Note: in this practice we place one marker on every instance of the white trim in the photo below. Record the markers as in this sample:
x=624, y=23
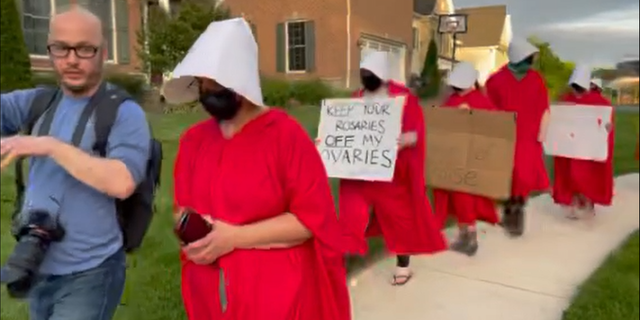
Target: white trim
x=114, y=32
x=286, y=46
x=52, y=11
x=477, y=48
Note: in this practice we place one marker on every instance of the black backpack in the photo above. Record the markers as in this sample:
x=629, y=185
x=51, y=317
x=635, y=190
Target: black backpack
x=134, y=213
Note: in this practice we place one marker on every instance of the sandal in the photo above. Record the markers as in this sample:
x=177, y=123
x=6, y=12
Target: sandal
x=401, y=279
x=571, y=213
x=402, y=276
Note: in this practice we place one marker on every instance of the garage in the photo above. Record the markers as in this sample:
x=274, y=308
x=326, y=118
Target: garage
x=398, y=53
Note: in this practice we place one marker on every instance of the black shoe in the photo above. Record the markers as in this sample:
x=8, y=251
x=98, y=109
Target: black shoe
x=507, y=221
x=519, y=219
x=467, y=243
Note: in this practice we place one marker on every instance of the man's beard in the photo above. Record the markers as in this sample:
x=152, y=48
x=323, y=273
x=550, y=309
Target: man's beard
x=90, y=82
x=79, y=89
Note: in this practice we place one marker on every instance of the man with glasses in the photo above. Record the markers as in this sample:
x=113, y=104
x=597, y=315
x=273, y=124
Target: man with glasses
x=82, y=275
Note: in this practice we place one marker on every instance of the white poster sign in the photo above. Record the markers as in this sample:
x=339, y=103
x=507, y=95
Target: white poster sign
x=578, y=132
x=359, y=137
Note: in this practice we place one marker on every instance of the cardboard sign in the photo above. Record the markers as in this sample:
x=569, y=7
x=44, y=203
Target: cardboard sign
x=359, y=137
x=470, y=150
x=578, y=132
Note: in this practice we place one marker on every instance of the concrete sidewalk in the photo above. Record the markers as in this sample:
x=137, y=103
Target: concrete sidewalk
x=531, y=278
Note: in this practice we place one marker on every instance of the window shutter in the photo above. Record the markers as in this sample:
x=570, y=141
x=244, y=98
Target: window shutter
x=310, y=45
x=122, y=31
x=281, y=46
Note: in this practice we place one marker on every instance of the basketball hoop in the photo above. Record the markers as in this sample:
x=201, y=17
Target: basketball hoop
x=452, y=24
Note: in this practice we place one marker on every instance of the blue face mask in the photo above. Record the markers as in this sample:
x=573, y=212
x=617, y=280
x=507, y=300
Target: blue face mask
x=522, y=66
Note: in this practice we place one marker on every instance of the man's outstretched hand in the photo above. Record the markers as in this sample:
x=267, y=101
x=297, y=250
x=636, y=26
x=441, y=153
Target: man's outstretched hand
x=14, y=147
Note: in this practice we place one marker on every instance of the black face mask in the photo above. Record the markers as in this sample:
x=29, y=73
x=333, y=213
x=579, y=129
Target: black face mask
x=371, y=82
x=578, y=88
x=222, y=105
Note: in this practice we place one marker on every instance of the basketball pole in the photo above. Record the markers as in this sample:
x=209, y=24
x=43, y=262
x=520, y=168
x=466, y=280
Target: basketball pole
x=453, y=50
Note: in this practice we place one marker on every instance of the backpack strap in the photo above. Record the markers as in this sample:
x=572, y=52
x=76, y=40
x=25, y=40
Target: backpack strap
x=86, y=114
x=106, y=114
x=47, y=99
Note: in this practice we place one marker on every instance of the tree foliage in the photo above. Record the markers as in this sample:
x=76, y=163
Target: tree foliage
x=14, y=57
x=556, y=72
x=430, y=72
x=169, y=37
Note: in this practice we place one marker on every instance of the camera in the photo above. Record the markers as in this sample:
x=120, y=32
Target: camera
x=34, y=232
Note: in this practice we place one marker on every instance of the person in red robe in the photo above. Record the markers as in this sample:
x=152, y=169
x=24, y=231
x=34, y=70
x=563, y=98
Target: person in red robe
x=401, y=209
x=467, y=208
x=581, y=184
x=518, y=88
x=276, y=250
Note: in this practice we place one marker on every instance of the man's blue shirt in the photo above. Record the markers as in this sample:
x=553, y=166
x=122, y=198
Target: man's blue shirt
x=87, y=215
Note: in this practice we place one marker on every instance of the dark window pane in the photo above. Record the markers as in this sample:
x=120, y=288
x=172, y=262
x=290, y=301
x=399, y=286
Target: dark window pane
x=35, y=24
x=295, y=33
x=296, y=46
x=103, y=9
x=297, y=61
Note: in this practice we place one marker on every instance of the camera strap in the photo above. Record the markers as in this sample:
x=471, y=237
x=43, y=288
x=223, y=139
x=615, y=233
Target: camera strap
x=45, y=105
x=47, y=99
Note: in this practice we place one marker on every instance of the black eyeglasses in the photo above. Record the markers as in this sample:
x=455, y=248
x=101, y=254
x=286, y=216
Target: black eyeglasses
x=82, y=51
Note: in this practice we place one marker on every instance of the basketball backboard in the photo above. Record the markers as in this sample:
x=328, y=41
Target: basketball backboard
x=452, y=23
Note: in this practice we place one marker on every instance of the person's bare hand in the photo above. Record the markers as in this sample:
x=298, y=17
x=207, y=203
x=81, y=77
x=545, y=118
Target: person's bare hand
x=219, y=242
x=464, y=106
x=407, y=139
x=14, y=147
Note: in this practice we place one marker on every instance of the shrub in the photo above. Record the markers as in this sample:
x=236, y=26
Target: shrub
x=169, y=37
x=282, y=93
x=135, y=85
x=275, y=92
x=311, y=92
x=14, y=58
x=430, y=75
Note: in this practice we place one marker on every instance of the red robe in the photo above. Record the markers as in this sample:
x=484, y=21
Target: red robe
x=269, y=168
x=527, y=97
x=402, y=212
x=466, y=207
x=593, y=180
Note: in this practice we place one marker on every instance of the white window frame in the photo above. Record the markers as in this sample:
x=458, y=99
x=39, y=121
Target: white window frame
x=286, y=40
x=52, y=4
x=114, y=34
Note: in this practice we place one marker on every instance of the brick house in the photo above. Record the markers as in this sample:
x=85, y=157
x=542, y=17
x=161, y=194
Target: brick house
x=122, y=19
x=305, y=39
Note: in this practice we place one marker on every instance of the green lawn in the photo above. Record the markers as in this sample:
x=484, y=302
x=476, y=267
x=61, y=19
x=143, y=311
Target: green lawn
x=154, y=277
x=612, y=292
